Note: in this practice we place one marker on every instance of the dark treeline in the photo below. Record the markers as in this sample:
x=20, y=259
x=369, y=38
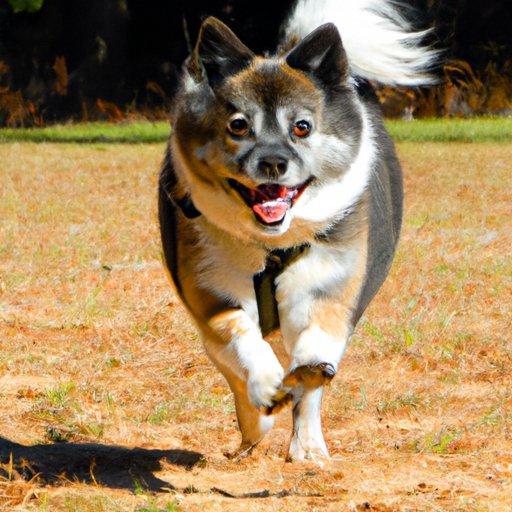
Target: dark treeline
x=90, y=59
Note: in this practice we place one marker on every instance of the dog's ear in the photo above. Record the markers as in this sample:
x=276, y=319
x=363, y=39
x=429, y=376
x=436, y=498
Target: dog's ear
x=322, y=55
x=218, y=53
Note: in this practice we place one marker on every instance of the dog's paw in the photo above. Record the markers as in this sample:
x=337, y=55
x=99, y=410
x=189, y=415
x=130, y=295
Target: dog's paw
x=307, y=376
x=280, y=400
x=264, y=383
x=308, y=448
x=239, y=454
x=310, y=376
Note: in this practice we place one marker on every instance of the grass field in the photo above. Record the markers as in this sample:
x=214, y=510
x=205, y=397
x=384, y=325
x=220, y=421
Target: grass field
x=108, y=402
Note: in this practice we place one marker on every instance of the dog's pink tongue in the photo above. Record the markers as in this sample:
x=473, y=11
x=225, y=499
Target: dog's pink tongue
x=270, y=211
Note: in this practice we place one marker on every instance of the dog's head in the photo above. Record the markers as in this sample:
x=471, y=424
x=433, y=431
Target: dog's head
x=256, y=140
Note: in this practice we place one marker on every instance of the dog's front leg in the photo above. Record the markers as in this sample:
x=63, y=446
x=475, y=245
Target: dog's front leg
x=315, y=359
x=316, y=300
x=234, y=343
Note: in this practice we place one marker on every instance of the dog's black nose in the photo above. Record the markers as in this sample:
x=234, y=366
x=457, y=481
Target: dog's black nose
x=272, y=167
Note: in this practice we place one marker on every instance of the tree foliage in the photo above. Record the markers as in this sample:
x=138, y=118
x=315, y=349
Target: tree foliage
x=108, y=59
x=25, y=5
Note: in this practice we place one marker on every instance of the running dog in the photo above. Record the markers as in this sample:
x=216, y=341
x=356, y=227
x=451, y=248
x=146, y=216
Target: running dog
x=280, y=200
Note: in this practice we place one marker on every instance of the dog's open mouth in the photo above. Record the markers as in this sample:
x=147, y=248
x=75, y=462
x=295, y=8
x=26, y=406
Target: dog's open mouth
x=270, y=201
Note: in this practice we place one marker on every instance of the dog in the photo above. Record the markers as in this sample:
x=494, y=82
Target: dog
x=280, y=200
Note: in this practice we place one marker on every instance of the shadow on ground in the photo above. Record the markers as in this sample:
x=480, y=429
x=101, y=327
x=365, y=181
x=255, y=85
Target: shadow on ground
x=111, y=466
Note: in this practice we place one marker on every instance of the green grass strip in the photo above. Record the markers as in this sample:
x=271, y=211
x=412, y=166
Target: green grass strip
x=484, y=129
x=492, y=129
x=130, y=132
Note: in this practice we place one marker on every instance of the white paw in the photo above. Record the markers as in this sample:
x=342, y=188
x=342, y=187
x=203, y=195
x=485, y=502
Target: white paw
x=308, y=441
x=304, y=448
x=264, y=382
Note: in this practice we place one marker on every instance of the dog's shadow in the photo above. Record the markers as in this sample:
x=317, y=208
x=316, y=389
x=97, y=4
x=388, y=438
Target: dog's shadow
x=110, y=466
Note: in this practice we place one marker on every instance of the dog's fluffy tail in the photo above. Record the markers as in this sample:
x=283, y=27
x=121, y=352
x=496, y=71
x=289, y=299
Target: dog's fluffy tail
x=379, y=40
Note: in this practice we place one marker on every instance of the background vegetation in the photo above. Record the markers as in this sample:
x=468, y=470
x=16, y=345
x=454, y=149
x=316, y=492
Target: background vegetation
x=119, y=59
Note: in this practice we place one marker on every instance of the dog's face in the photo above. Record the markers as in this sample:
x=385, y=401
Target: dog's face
x=257, y=140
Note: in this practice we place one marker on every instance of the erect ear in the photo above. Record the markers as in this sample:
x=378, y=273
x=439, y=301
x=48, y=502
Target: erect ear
x=321, y=54
x=218, y=53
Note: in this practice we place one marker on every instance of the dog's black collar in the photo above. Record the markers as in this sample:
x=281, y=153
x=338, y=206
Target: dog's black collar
x=187, y=206
x=168, y=183
x=265, y=285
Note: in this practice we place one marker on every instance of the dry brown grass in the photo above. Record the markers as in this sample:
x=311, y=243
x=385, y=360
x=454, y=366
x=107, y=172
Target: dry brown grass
x=107, y=395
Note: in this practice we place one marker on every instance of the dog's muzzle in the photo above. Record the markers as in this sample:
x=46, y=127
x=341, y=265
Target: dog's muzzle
x=269, y=201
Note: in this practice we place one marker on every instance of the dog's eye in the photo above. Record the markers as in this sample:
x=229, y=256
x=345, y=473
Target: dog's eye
x=238, y=126
x=302, y=128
